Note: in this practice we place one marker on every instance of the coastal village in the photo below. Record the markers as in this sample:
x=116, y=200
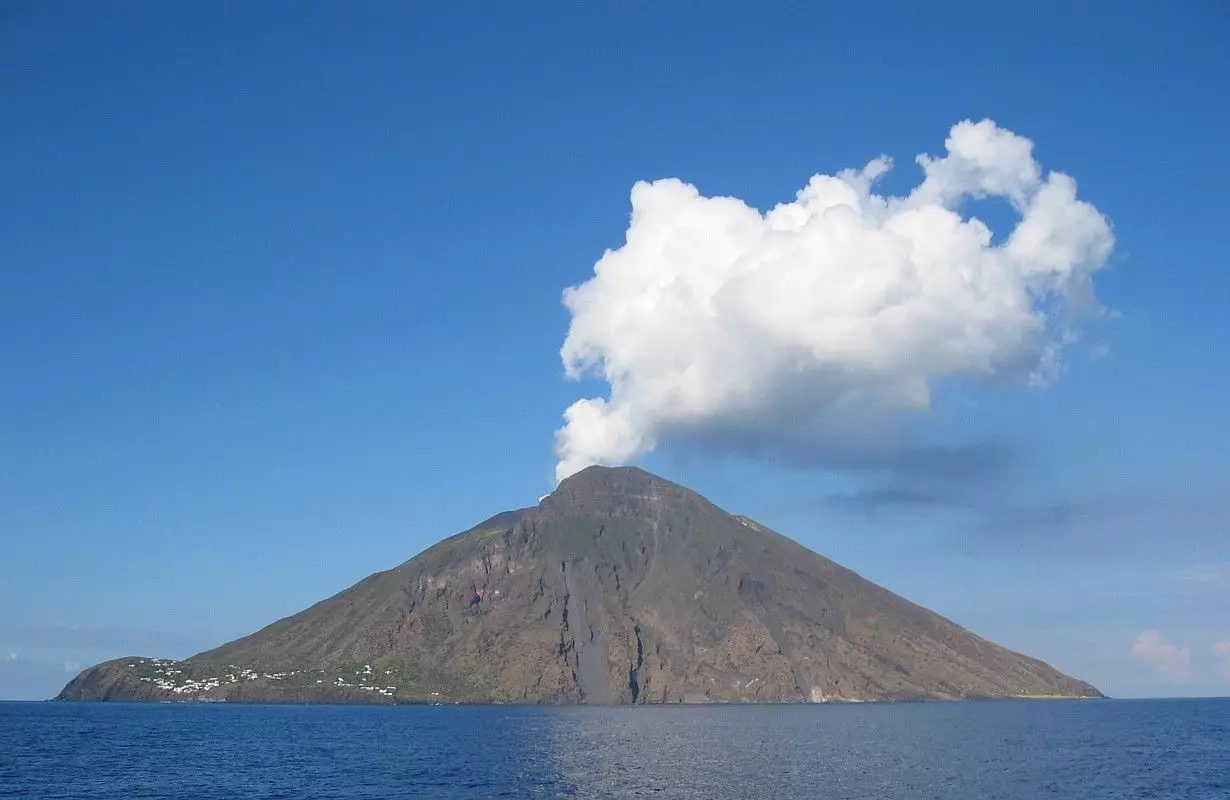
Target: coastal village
x=181, y=678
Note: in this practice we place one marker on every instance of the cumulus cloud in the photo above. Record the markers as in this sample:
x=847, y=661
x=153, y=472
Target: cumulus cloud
x=1221, y=651
x=716, y=321
x=1169, y=661
x=12, y=656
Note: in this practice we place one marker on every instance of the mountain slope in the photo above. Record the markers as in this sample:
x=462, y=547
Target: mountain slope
x=619, y=587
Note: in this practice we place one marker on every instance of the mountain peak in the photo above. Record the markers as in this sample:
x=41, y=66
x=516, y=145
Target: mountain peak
x=600, y=474
x=616, y=492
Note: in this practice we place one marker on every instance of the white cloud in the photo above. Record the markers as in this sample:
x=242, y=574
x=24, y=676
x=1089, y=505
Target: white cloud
x=713, y=317
x=1169, y=661
x=1221, y=651
x=1207, y=577
x=12, y=656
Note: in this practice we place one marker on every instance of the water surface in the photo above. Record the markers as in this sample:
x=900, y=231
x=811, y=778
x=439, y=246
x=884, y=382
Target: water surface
x=1011, y=750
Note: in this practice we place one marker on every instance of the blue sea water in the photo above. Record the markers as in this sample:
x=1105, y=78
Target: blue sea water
x=1010, y=750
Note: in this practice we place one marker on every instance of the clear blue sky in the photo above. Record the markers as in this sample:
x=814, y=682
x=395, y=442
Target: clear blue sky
x=280, y=302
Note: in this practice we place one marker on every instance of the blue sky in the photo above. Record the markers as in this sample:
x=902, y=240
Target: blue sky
x=280, y=296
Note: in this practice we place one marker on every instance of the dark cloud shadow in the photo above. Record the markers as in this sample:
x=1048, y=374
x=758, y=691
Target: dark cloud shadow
x=976, y=489
x=903, y=466
x=1170, y=523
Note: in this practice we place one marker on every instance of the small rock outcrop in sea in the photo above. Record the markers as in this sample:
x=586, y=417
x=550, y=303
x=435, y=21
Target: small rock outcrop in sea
x=618, y=587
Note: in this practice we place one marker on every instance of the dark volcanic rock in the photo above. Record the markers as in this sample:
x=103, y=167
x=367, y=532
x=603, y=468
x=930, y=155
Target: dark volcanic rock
x=619, y=587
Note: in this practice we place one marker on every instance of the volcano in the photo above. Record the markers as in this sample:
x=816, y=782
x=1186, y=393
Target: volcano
x=619, y=587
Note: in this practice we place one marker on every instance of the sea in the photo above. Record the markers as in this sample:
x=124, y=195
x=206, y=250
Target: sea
x=1011, y=750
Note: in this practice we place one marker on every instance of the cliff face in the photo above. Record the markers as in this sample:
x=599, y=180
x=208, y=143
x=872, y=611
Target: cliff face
x=619, y=587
